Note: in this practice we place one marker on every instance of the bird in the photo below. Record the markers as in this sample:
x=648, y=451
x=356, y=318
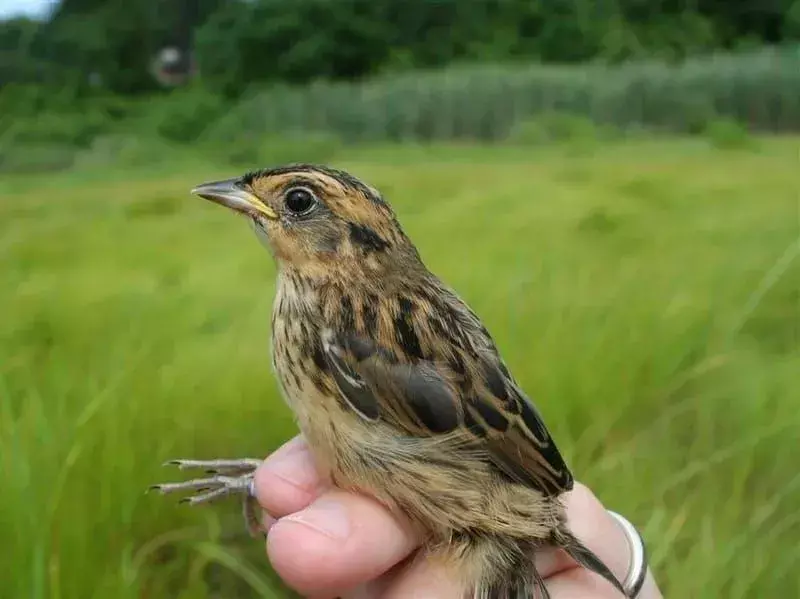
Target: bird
x=397, y=386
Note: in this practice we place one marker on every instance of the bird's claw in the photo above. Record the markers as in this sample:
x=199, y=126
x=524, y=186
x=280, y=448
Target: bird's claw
x=217, y=482
x=223, y=466
x=228, y=477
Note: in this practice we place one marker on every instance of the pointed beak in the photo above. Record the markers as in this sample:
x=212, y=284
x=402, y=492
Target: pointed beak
x=230, y=194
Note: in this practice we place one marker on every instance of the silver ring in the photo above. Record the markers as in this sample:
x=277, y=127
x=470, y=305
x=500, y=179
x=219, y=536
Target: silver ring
x=251, y=488
x=637, y=568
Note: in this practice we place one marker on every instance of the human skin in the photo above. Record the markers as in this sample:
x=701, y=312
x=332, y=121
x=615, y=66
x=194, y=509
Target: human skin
x=327, y=543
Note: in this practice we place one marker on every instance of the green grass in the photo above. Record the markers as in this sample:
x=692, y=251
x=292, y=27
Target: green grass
x=645, y=293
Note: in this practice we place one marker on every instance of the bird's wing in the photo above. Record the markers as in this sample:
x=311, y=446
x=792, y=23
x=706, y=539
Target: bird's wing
x=473, y=397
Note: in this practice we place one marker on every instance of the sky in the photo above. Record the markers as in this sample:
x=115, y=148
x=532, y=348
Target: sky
x=10, y=8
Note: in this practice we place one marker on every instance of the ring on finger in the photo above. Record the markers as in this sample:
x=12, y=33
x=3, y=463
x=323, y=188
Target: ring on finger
x=637, y=566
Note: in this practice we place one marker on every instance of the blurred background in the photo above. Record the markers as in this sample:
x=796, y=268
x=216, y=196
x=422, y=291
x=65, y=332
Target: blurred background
x=613, y=186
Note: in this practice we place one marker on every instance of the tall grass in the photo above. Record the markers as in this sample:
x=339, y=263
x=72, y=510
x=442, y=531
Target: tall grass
x=760, y=89
x=645, y=295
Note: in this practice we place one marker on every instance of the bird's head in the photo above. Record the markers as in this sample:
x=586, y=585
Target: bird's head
x=318, y=220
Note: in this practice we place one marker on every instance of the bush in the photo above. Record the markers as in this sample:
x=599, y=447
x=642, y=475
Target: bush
x=30, y=100
x=727, y=134
x=75, y=129
x=554, y=127
x=182, y=115
x=34, y=116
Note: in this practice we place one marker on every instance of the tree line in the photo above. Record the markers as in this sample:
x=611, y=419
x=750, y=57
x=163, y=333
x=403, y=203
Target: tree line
x=111, y=43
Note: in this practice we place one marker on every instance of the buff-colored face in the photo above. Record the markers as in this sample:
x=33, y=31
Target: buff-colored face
x=313, y=217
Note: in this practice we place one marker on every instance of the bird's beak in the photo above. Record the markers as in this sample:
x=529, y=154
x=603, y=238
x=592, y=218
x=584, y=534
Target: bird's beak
x=228, y=193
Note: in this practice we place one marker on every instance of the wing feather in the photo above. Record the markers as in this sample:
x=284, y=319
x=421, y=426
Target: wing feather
x=426, y=397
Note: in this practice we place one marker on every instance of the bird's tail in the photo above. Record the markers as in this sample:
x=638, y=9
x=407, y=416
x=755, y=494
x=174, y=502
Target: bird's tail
x=512, y=575
x=501, y=568
x=512, y=589
x=519, y=586
x=584, y=556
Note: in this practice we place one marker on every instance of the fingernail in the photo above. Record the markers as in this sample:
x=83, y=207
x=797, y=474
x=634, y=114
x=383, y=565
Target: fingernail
x=325, y=516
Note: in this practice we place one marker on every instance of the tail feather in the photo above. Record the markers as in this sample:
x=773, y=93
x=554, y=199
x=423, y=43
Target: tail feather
x=523, y=586
x=586, y=558
x=505, y=569
x=539, y=584
x=500, y=568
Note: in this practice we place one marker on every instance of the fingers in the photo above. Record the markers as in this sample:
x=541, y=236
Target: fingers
x=287, y=481
x=321, y=539
x=338, y=542
x=417, y=578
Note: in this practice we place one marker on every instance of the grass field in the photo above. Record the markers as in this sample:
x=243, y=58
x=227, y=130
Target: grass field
x=646, y=294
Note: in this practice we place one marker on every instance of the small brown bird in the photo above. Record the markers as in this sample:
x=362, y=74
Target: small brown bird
x=397, y=386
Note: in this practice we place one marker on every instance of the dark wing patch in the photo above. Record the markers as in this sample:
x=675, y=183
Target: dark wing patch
x=428, y=396
x=375, y=385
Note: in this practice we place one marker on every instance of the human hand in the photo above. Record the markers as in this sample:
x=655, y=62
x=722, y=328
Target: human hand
x=327, y=543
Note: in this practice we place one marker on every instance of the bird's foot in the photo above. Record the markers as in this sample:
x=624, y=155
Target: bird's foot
x=228, y=477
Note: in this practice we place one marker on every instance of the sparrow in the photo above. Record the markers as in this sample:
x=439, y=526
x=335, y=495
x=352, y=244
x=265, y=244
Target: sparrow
x=397, y=386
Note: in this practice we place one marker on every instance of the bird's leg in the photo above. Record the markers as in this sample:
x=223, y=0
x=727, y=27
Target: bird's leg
x=217, y=466
x=228, y=477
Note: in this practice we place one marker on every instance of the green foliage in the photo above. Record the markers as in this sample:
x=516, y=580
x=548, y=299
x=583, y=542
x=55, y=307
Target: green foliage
x=113, y=42
x=23, y=158
x=727, y=134
x=488, y=102
x=183, y=115
x=791, y=25
x=28, y=100
x=645, y=296
x=241, y=42
x=525, y=104
x=272, y=40
x=52, y=128
x=124, y=150
x=664, y=36
x=251, y=152
x=305, y=40
x=554, y=127
x=35, y=115
x=18, y=62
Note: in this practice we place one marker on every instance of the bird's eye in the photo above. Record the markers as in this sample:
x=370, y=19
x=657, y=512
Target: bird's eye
x=299, y=200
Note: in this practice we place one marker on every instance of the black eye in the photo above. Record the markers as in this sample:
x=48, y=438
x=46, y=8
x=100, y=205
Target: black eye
x=299, y=200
